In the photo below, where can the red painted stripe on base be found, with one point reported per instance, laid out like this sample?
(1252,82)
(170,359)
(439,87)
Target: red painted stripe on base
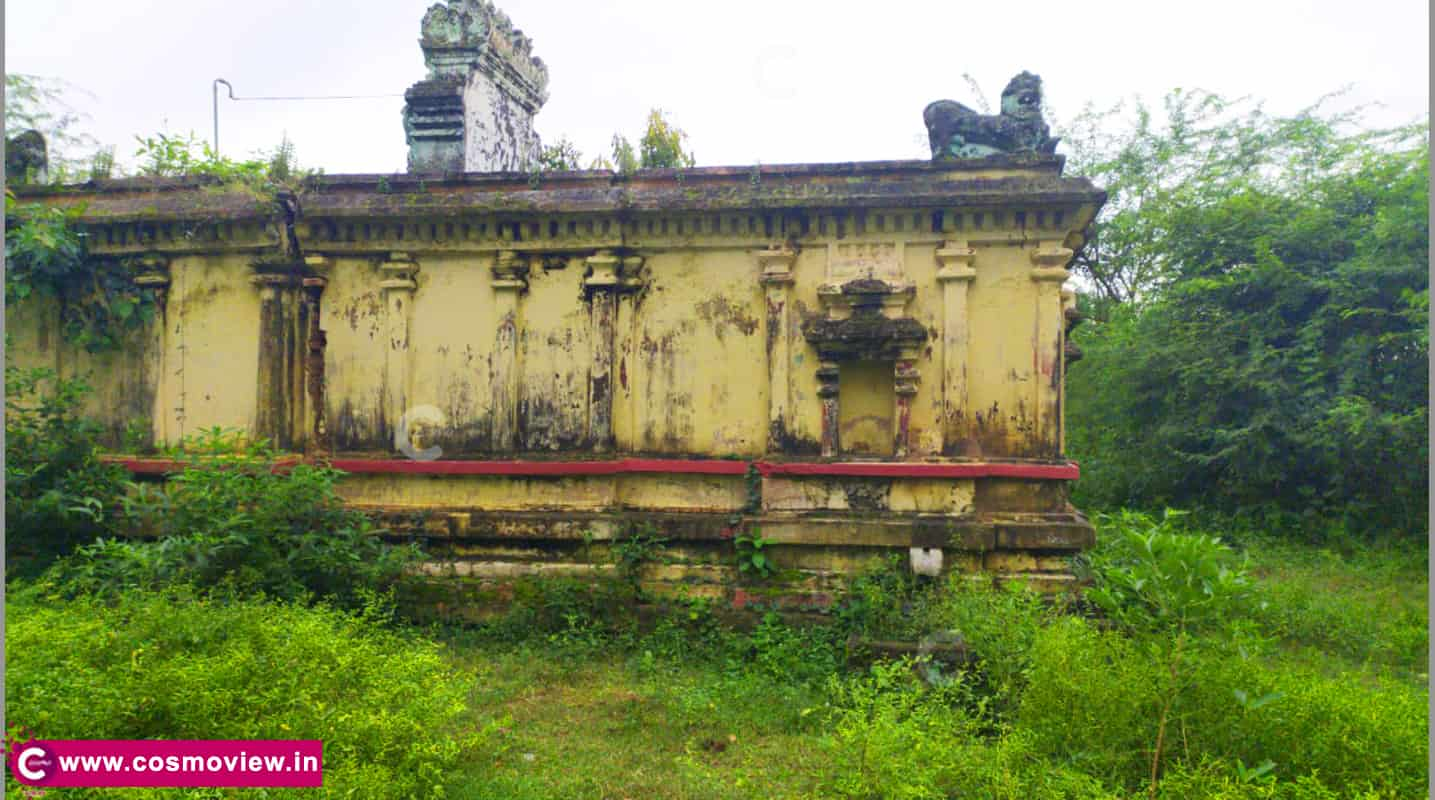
(673,466)
(985,469)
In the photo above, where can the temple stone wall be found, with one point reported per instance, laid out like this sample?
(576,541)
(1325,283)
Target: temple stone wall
(854,359)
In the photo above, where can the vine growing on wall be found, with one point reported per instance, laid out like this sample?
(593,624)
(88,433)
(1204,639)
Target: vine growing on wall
(99,304)
(46,258)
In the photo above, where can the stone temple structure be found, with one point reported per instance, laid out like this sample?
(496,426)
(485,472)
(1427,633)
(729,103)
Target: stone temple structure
(473,111)
(855,360)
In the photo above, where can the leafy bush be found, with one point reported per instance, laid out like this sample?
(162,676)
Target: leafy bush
(1149,576)
(235,518)
(179,665)
(891,738)
(57,491)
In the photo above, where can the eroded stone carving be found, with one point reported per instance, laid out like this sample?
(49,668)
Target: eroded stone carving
(26,159)
(474,110)
(956,131)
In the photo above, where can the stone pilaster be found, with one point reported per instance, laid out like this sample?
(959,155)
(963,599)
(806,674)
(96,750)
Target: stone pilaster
(510,279)
(828,375)
(905,379)
(601,284)
(1050,260)
(152,275)
(776,277)
(316,278)
(281,324)
(955,274)
(398,284)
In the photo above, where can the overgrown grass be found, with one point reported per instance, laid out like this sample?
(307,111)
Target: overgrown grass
(392,712)
(570,695)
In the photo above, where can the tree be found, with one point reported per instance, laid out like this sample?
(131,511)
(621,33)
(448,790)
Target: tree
(1260,296)
(660,148)
(662,144)
(1200,148)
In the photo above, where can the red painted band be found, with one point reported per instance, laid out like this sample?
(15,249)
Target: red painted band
(673,466)
(985,469)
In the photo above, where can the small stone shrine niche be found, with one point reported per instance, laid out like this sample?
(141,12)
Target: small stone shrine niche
(866,340)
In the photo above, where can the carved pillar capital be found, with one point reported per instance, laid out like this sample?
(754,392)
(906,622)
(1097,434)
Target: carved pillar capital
(1051,259)
(510,271)
(954,262)
(399,272)
(776,263)
(610,271)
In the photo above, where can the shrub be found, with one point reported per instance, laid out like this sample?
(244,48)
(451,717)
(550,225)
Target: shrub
(1094,699)
(180,665)
(56,489)
(231,518)
(892,738)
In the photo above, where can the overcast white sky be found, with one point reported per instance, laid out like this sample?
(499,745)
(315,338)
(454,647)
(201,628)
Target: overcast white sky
(749,80)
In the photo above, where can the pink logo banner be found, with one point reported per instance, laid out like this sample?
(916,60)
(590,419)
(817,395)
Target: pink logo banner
(153,762)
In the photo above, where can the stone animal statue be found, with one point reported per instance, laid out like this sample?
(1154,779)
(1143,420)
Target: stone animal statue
(25,158)
(956,131)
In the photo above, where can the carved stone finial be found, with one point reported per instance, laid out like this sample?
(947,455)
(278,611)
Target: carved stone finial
(474,110)
(956,131)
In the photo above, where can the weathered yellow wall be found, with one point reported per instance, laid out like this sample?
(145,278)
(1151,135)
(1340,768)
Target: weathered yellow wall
(658,316)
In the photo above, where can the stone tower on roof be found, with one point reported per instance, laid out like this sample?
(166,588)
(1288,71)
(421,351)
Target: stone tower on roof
(474,110)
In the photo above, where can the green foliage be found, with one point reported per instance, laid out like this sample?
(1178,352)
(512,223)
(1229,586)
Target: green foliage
(890,737)
(1363,604)
(625,159)
(640,545)
(561,156)
(753,558)
(1148,576)
(179,665)
(662,144)
(661,147)
(232,519)
(1095,699)
(1260,310)
(46,262)
(57,491)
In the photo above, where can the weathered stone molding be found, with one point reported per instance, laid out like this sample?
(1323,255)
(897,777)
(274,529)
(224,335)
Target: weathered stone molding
(282,325)
(1048,342)
(316,279)
(510,279)
(955,275)
(775,264)
(398,285)
(474,110)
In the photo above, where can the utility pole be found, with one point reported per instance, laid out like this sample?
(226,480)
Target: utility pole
(218,81)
